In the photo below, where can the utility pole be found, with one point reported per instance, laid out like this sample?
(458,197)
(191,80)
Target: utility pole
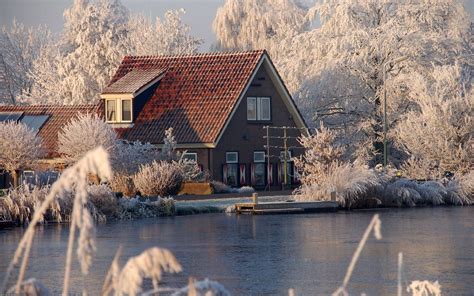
(285,145)
(268,157)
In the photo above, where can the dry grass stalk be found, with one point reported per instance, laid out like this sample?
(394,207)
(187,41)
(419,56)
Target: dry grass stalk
(375,226)
(96,162)
(149,264)
(424,288)
(112,274)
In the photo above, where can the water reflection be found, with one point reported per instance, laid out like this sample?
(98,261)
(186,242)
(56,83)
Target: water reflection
(266,255)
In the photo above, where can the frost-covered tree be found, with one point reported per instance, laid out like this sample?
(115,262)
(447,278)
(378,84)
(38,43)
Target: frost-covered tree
(20,148)
(248,24)
(91,46)
(335,70)
(83,134)
(19,47)
(169,36)
(439,132)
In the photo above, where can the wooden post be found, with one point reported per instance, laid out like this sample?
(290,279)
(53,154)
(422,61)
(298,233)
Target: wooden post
(255,198)
(285,164)
(333,196)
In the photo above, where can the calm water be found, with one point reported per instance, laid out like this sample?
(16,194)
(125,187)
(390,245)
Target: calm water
(267,255)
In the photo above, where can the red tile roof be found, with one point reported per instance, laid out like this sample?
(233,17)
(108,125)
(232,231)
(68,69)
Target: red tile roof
(59,116)
(196,96)
(133,81)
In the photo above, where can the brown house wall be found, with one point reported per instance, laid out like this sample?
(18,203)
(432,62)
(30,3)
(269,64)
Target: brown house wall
(247,136)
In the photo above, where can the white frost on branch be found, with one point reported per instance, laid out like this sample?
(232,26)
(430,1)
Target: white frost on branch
(83,134)
(20,148)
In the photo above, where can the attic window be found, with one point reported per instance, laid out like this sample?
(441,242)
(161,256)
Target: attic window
(258,109)
(118,110)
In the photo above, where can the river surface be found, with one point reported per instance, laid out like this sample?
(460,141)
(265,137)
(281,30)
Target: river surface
(267,255)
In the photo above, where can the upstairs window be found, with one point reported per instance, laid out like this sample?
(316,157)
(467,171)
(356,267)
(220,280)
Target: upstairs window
(258,109)
(127,110)
(118,110)
(111,110)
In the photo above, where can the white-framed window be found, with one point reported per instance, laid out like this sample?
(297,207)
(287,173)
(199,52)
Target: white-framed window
(259,156)
(126,110)
(118,110)
(191,156)
(258,108)
(232,157)
(111,110)
(251,108)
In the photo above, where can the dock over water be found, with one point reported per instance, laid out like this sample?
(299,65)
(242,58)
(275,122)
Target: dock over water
(288,207)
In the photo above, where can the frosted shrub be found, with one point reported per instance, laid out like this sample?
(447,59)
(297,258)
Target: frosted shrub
(323,172)
(158,179)
(353,183)
(123,183)
(219,187)
(134,208)
(83,134)
(31,287)
(20,203)
(202,288)
(130,155)
(104,200)
(20,148)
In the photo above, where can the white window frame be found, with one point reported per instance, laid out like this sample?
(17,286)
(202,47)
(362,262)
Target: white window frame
(118,110)
(227,154)
(131,110)
(107,110)
(255,160)
(259,110)
(193,155)
(260,113)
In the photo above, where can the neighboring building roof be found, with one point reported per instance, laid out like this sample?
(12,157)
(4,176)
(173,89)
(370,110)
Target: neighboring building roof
(134,81)
(196,96)
(56,117)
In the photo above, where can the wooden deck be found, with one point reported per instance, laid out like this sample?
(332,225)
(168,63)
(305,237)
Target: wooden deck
(289,207)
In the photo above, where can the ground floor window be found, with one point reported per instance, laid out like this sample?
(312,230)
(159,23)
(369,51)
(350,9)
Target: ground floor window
(191,156)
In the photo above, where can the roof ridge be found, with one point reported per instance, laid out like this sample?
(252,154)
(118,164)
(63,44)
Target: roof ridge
(199,54)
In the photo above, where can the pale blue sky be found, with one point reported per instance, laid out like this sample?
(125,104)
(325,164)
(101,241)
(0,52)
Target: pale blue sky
(199,13)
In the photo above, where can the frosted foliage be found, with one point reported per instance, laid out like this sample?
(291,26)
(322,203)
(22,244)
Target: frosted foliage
(439,131)
(160,178)
(169,145)
(19,47)
(20,147)
(243,24)
(169,36)
(97,34)
(91,46)
(334,71)
(202,288)
(424,288)
(31,287)
(83,134)
(149,264)
(130,155)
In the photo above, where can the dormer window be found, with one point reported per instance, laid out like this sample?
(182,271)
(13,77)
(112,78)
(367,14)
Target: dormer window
(118,110)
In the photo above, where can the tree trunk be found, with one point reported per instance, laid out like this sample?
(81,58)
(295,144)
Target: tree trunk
(15,178)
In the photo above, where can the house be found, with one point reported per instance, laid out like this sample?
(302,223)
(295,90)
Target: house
(47,121)
(218,105)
